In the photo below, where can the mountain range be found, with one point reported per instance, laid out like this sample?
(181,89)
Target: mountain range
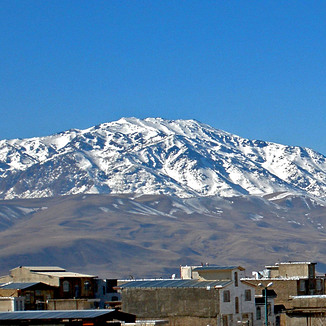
(183,158)
(140,197)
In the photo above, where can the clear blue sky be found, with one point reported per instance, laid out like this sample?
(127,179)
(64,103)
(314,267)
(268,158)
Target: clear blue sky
(252,68)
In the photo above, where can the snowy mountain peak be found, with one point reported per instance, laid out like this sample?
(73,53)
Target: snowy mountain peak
(156,156)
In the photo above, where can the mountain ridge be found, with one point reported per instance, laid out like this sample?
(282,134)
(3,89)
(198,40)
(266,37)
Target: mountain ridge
(184,158)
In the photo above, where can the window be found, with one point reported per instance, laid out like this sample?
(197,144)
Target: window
(87,286)
(236,305)
(258,313)
(28,297)
(77,291)
(66,286)
(235,278)
(103,290)
(318,285)
(225,321)
(226,296)
(247,295)
(311,271)
(302,285)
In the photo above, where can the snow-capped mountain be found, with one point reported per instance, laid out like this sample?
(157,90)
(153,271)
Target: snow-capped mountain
(184,158)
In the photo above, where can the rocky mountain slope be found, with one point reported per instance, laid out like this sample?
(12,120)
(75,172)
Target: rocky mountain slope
(155,156)
(152,235)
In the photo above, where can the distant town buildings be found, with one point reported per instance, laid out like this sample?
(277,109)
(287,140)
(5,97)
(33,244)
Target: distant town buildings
(284,294)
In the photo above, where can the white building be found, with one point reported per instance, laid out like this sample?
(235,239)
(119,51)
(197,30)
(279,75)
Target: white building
(237,298)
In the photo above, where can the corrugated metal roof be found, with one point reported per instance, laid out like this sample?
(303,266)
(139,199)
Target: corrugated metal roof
(54,314)
(174,284)
(212,267)
(18,286)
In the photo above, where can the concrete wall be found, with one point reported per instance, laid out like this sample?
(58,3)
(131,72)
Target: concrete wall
(215,275)
(176,304)
(313,301)
(294,270)
(218,274)
(11,304)
(186,272)
(7,304)
(71,304)
(274,272)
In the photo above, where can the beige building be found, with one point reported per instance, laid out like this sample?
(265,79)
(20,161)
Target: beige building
(34,294)
(307,310)
(67,284)
(52,287)
(299,291)
(290,279)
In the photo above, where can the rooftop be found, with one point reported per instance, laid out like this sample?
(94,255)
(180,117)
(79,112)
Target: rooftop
(297,262)
(54,271)
(175,284)
(278,278)
(53,314)
(18,286)
(290,263)
(66,274)
(214,267)
(43,268)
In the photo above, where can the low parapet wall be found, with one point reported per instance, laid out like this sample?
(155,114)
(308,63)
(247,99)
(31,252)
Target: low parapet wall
(308,301)
(71,304)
